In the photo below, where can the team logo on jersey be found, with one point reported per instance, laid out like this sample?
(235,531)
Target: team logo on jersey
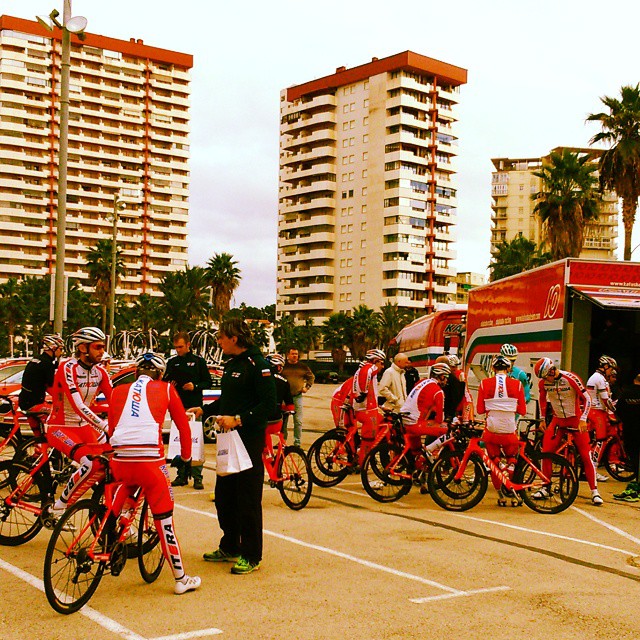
(136,398)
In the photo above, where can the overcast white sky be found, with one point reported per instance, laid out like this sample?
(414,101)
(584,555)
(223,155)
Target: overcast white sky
(536,69)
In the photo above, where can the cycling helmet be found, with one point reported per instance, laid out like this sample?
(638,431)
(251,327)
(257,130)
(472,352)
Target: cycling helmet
(151,360)
(509,351)
(454,361)
(501,362)
(53,342)
(276,360)
(542,367)
(375,354)
(87,335)
(606,361)
(440,369)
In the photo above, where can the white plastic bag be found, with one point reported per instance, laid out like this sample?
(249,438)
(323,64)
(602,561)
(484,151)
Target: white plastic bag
(232,454)
(197,442)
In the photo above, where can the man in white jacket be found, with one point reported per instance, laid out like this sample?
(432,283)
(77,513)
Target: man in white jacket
(392,386)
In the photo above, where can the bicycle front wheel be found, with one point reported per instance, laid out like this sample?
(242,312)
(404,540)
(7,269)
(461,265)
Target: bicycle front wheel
(544,493)
(617,462)
(462,494)
(386,473)
(20,522)
(295,485)
(71,575)
(330,459)
(150,556)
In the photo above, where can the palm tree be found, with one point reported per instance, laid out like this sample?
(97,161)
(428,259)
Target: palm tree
(620,164)
(145,311)
(35,293)
(568,198)
(224,278)
(517,256)
(285,333)
(184,303)
(80,310)
(335,332)
(391,319)
(363,331)
(99,267)
(12,308)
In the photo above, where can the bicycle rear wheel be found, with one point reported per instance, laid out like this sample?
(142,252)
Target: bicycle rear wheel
(71,575)
(150,556)
(617,462)
(296,484)
(553,494)
(457,495)
(383,473)
(20,522)
(330,459)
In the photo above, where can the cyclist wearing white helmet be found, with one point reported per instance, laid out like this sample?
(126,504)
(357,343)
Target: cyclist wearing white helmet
(136,414)
(73,427)
(563,393)
(601,406)
(37,378)
(365,398)
(510,351)
(501,398)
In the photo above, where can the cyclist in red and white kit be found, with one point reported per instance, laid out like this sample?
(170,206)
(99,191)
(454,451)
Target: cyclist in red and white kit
(136,414)
(570,404)
(73,428)
(365,399)
(501,398)
(601,406)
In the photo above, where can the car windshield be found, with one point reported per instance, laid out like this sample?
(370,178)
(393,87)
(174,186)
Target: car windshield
(12,373)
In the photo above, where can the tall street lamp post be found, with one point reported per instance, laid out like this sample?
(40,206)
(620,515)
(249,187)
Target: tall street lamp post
(69,25)
(118,206)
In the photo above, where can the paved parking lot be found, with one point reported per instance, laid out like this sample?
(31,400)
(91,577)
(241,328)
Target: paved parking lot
(348,567)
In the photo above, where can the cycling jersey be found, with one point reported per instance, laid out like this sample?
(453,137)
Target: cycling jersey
(501,397)
(598,389)
(136,414)
(75,387)
(519,374)
(36,381)
(425,401)
(341,396)
(566,395)
(365,381)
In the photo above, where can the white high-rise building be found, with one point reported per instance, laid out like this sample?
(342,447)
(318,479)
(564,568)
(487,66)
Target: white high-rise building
(367,198)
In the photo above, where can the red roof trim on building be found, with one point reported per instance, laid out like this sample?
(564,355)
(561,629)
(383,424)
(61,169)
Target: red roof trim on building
(132,48)
(445,72)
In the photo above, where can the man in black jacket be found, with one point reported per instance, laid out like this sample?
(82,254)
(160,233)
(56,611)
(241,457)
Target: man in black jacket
(189,374)
(247,401)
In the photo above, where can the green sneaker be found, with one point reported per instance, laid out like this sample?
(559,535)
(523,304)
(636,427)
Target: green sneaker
(630,497)
(220,556)
(627,493)
(244,566)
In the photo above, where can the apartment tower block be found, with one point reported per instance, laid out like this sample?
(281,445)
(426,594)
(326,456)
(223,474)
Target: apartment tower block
(128,136)
(367,198)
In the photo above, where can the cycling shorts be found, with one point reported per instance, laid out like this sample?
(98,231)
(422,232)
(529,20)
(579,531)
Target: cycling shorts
(81,441)
(152,476)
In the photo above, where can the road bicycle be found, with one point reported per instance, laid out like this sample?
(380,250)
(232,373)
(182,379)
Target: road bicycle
(93,537)
(13,442)
(287,467)
(459,483)
(614,456)
(395,465)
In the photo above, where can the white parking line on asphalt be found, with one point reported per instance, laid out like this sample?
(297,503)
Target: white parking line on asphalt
(203,633)
(88,612)
(346,556)
(542,533)
(617,530)
(446,596)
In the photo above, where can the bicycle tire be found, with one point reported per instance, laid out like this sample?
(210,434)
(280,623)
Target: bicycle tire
(18,525)
(562,490)
(379,474)
(462,494)
(619,468)
(296,484)
(11,449)
(150,556)
(71,577)
(323,456)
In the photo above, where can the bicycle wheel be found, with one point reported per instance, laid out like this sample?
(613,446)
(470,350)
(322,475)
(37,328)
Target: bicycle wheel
(71,575)
(330,459)
(383,473)
(150,556)
(295,486)
(18,523)
(616,461)
(457,495)
(553,494)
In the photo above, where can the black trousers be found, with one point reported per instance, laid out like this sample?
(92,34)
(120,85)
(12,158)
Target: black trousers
(238,500)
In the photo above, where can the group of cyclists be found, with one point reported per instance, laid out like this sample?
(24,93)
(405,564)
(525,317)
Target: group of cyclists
(566,405)
(131,434)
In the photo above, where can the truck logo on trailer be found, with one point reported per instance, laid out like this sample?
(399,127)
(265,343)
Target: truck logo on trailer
(553,300)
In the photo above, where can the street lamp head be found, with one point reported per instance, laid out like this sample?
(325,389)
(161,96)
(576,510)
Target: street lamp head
(76,25)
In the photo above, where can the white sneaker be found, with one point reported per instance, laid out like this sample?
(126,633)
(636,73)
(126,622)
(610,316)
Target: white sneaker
(376,484)
(601,478)
(188,583)
(596,498)
(541,494)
